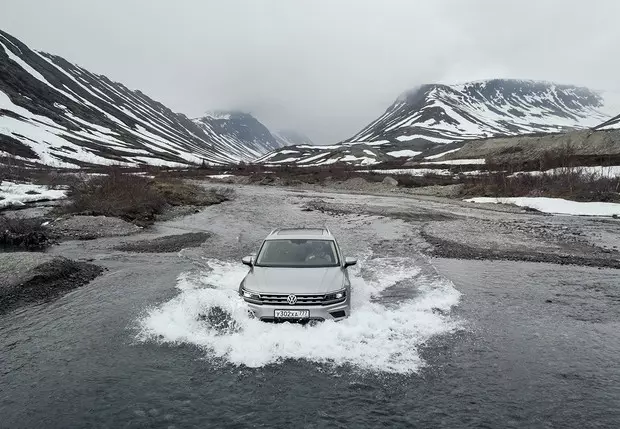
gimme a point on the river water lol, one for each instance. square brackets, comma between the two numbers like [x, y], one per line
[163, 341]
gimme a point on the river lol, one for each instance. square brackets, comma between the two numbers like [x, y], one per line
[162, 340]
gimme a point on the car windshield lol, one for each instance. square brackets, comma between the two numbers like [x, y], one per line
[298, 253]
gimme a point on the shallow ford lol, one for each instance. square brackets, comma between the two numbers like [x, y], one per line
[298, 275]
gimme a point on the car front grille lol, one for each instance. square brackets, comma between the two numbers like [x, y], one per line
[302, 300]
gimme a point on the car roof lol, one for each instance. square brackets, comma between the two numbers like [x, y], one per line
[300, 233]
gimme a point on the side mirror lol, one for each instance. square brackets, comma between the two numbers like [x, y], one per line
[349, 262]
[248, 260]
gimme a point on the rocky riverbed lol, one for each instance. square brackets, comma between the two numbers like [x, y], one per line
[160, 338]
[442, 227]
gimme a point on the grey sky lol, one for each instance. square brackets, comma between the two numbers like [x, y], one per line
[324, 67]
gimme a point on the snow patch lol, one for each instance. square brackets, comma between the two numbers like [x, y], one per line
[555, 205]
[439, 155]
[599, 170]
[220, 176]
[458, 162]
[403, 153]
[17, 194]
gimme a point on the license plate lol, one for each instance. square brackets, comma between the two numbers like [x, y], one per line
[292, 314]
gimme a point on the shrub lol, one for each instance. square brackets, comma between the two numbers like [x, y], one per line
[571, 183]
[178, 193]
[135, 198]
[130, 197]
[22, 234]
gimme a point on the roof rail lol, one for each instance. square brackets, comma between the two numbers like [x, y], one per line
[274, 230]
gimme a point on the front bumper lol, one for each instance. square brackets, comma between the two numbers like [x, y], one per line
[266, 312]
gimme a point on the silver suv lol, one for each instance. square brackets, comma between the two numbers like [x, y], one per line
[298, 275]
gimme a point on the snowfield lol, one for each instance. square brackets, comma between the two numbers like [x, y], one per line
[555, 205]
[423, 171]
[598, 170]
[403, 153]
[457, 162]
[17, 194]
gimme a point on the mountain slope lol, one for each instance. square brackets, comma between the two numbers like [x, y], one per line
[290, 138]
[613, 123]
[55, 113]
[435, 114]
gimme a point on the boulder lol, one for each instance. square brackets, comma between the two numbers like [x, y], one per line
[390, 181]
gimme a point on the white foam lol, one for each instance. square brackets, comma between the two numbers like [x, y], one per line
[381, 335]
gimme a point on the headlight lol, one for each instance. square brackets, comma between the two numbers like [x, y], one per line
[336, 296]
[250, 296]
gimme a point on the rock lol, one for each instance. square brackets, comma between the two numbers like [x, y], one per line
[355, 184]
[390, 181]
[29, 277]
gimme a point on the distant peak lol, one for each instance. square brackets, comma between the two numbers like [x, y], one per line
[218, 114]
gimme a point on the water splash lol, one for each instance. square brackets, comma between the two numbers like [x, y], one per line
[381, 334]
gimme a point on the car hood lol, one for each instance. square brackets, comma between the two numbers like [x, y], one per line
[294, 280]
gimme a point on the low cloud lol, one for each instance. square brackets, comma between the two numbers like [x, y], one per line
[324, 67]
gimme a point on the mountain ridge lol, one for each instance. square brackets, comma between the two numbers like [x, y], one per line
[431, 115]
[445, 113]
[57, 113]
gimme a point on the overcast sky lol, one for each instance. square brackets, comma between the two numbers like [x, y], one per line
[323, 67]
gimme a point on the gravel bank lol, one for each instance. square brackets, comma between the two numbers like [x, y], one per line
[91, 227]
[453, 229]
[32, 277]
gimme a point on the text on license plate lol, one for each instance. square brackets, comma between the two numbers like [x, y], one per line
[292, 314]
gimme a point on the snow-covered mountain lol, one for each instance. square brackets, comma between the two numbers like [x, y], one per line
[56, 113]
[613, 123]
[238, 134]
[436, 114]
[291, 137]
[448, 113]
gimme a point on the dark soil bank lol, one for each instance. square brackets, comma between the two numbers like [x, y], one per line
[23, 283]
[169, 243]
[451, 249]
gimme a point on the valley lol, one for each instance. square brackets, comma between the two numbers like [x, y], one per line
[60, 115]
[309, 214]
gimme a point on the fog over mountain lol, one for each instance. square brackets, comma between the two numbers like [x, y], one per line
[323, 68]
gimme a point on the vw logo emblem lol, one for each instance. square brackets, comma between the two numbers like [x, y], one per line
[291, 299]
